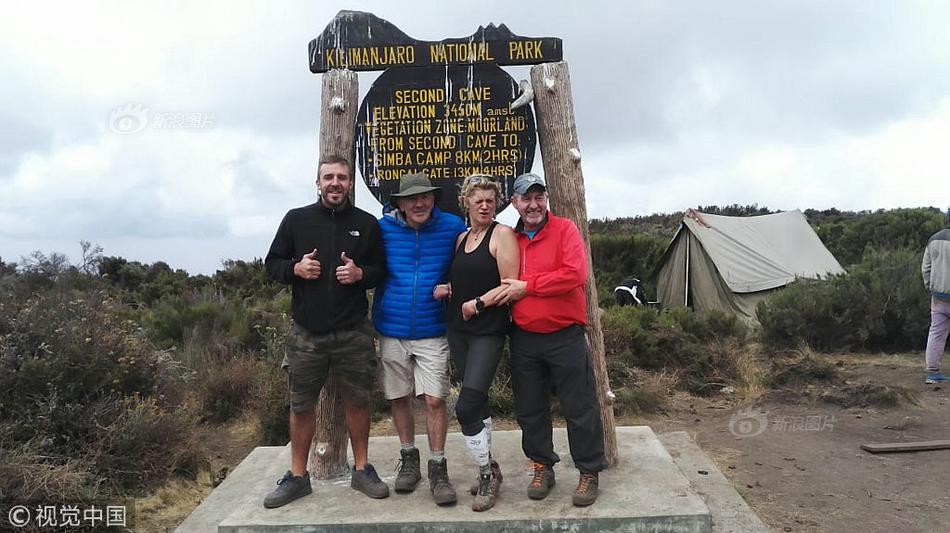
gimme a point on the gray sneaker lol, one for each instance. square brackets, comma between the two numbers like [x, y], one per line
[289, 488]
[367, 481]
[442, 490]
[410, 472]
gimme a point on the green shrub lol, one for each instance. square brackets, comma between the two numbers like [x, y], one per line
[879, 305]
[696, 346]
[81, 388]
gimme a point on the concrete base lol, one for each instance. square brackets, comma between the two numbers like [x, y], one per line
[645, 492]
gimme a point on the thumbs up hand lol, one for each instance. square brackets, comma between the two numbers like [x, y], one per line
[308, 267]
[348, 273]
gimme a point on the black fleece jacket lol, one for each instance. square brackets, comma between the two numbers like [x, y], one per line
[324, 305]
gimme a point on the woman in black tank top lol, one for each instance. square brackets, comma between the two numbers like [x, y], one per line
[478, 322]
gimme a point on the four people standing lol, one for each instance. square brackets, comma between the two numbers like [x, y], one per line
[426, 263]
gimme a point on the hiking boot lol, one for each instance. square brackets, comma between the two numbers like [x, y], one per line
[289, 488]
[495, 470]
[487, 495]
[542, 481]
[935, 377]
[409, 471]
[442, 490]
[367, 481]
[586, 492]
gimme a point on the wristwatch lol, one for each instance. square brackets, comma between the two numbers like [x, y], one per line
[479, 304]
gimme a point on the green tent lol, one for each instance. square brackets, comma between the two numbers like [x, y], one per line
[733, 263]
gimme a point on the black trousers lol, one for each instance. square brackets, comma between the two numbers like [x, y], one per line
[559, 360]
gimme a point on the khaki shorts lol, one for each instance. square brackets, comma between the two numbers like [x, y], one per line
[309, 359]
[420, 365]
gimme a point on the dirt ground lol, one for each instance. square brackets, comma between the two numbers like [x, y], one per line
[793, 454]
[796, 460]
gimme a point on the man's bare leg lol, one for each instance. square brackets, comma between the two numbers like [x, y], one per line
[357, 423]
[403, 419]
[436, 422]
[303, 426]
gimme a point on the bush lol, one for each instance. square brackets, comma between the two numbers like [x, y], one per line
[86, 390]
[699, 347]
[879, 305]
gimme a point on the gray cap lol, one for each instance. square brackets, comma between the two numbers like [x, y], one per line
[526, 181]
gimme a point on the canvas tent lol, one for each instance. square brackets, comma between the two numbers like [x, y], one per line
[733, 263]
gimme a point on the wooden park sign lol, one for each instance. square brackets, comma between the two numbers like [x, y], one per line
[362, 41]
[449, 122]
[446, 108]
[441, 107]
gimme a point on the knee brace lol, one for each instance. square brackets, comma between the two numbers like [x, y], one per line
[470, 410]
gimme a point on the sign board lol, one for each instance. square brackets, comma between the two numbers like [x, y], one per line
[362, 41]
[449, 122]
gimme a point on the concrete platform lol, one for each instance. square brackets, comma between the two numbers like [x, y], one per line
[646, 492]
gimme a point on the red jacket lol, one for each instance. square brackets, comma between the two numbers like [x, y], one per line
[554, 264]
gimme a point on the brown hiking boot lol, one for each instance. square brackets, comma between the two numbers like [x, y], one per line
[409, 471]
[586, 492]
[442, 490]
[488, 488]
[495, 470]
[542, 481]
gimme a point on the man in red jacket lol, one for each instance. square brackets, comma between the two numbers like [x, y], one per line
[548, 346]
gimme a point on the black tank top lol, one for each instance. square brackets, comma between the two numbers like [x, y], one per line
[473, 274]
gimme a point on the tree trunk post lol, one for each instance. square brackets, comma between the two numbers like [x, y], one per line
[337, 133]
[561, 155]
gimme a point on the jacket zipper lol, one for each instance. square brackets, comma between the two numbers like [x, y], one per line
[330, 302]
[415, 284]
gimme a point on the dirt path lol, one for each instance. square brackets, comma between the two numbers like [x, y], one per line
[799, 465]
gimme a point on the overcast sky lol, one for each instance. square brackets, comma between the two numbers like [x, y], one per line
[782, 104]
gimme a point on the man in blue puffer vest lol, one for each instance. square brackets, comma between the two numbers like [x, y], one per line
[414, 353]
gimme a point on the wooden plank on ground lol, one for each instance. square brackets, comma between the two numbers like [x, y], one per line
[895, 447]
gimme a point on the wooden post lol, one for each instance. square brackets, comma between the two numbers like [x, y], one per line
[561, 155]
[337, 132]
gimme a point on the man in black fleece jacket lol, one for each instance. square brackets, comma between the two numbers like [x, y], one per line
[330, 253]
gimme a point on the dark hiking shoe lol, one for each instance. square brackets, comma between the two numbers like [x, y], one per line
[409, 471]
[289, 488]
[542, 481]
[586, 492]
[495, 471]
[367, 481]
[442, 490]
[488, 487]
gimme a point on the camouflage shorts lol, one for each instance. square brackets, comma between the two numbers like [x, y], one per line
[309, 359]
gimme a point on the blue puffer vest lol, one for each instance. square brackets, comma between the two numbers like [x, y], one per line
[416, 261]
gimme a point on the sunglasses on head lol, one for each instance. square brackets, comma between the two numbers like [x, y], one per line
[480, 178]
